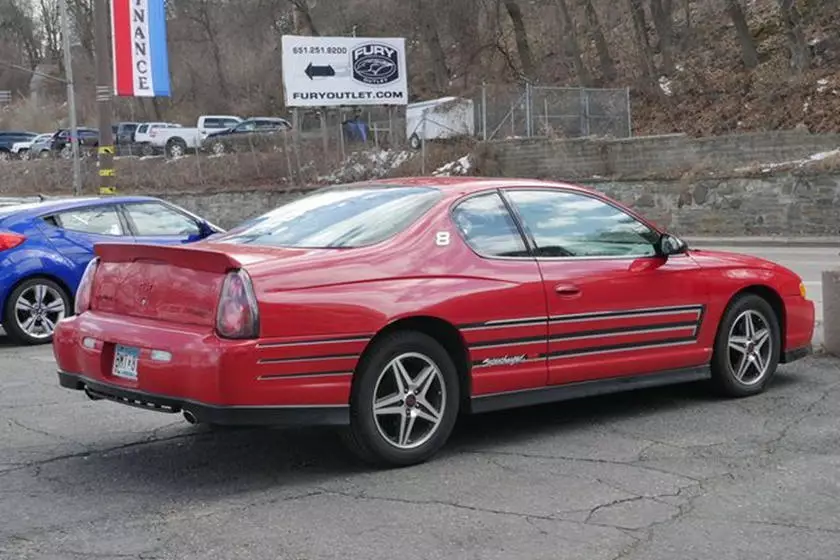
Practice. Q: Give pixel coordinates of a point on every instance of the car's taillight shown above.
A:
(238, 313)
(10, 240)
(83, 292)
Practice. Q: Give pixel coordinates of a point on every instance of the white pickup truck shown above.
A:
(177, 142)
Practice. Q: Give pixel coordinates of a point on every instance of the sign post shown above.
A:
(336, 71)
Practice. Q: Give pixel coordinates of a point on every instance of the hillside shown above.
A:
(693, 66)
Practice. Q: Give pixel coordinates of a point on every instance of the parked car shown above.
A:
(145, 131)
(41, 147)
(20, 150)
(176, 142)
(123, 133)
(8, 138)
(255, 133)
(61, 141)
(46, 245)
(390, 307)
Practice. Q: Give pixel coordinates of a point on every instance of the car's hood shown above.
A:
(706, 257)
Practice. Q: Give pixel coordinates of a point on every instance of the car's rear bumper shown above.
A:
(200, 371)
(207, 413)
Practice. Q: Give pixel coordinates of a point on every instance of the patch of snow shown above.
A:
(822, 85)
(368, 164)
(461, 166)
(798, 163)
(665, 85)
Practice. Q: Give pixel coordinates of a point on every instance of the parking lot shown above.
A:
(657, 474)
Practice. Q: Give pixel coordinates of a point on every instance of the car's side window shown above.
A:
(568, 224)
(487, 227)
(152, 219)
(99, 220)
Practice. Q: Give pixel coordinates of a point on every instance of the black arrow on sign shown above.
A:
(321, 71)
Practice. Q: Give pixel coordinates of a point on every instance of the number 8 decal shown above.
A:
(442, 239)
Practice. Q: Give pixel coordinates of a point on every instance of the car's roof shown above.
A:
(64, 204)
(457, 186)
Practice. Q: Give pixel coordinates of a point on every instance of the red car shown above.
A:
(390, 307)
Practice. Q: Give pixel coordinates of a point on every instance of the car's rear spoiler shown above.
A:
(191, 257)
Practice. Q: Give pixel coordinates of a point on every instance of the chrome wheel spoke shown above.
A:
(48, 325)
(761, 338)
(743, 366)
(428, 413)
(739, 343)
(40, 294)
(56, 306)
(405, 436)
(760, 363)
(28, 324)
(23, 305)
(387, 403)
(401, 375)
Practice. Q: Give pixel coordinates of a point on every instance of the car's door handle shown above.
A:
(566, 290)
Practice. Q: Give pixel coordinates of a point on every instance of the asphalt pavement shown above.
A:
(657, 474)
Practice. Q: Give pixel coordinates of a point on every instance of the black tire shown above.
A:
(219, 148)
(726, 359)
(365, 436)
(173, 145)
(11, 314)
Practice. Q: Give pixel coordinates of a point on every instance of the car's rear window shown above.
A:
(339, 217)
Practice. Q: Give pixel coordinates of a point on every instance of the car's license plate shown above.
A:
(125, 362)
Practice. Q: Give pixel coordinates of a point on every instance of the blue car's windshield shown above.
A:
(337, 218)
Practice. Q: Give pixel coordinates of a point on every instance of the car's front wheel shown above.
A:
(33, 309)
(747, 347)
(404, 401)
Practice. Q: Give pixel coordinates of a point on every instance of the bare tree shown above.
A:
(749, 54)
(662, 14)
(427, 20)
(605, 59)
(792, 21)
(637, 12)
(523, 46)
(570, 40)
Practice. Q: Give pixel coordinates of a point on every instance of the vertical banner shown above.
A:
(141, 62)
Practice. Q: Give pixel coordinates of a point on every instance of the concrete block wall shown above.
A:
(584, 158)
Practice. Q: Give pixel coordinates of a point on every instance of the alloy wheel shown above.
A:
(38, 309)
(750, 347)
(409, 400)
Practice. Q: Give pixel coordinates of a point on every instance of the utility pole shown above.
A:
(104, 91)
(71, 98)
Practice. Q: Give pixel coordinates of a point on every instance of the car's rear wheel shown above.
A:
(404, 401)
(747, 347)
(176, 148)
(33, 310)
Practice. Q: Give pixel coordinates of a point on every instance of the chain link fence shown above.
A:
(505, 111)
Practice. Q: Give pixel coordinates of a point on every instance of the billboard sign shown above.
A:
(141, 61)
(333, 71)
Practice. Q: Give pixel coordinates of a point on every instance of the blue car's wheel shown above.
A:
(33, 310)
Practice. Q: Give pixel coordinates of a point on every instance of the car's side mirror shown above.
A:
(670, 245)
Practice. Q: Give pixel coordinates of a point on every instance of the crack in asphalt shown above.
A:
(771, 446)
(637, 463)
(149, 440)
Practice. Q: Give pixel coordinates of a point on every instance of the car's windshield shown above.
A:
(338, 218)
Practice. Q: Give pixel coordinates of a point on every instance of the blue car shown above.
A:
(45, 247)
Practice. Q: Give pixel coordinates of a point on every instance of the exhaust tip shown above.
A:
(190, 417)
